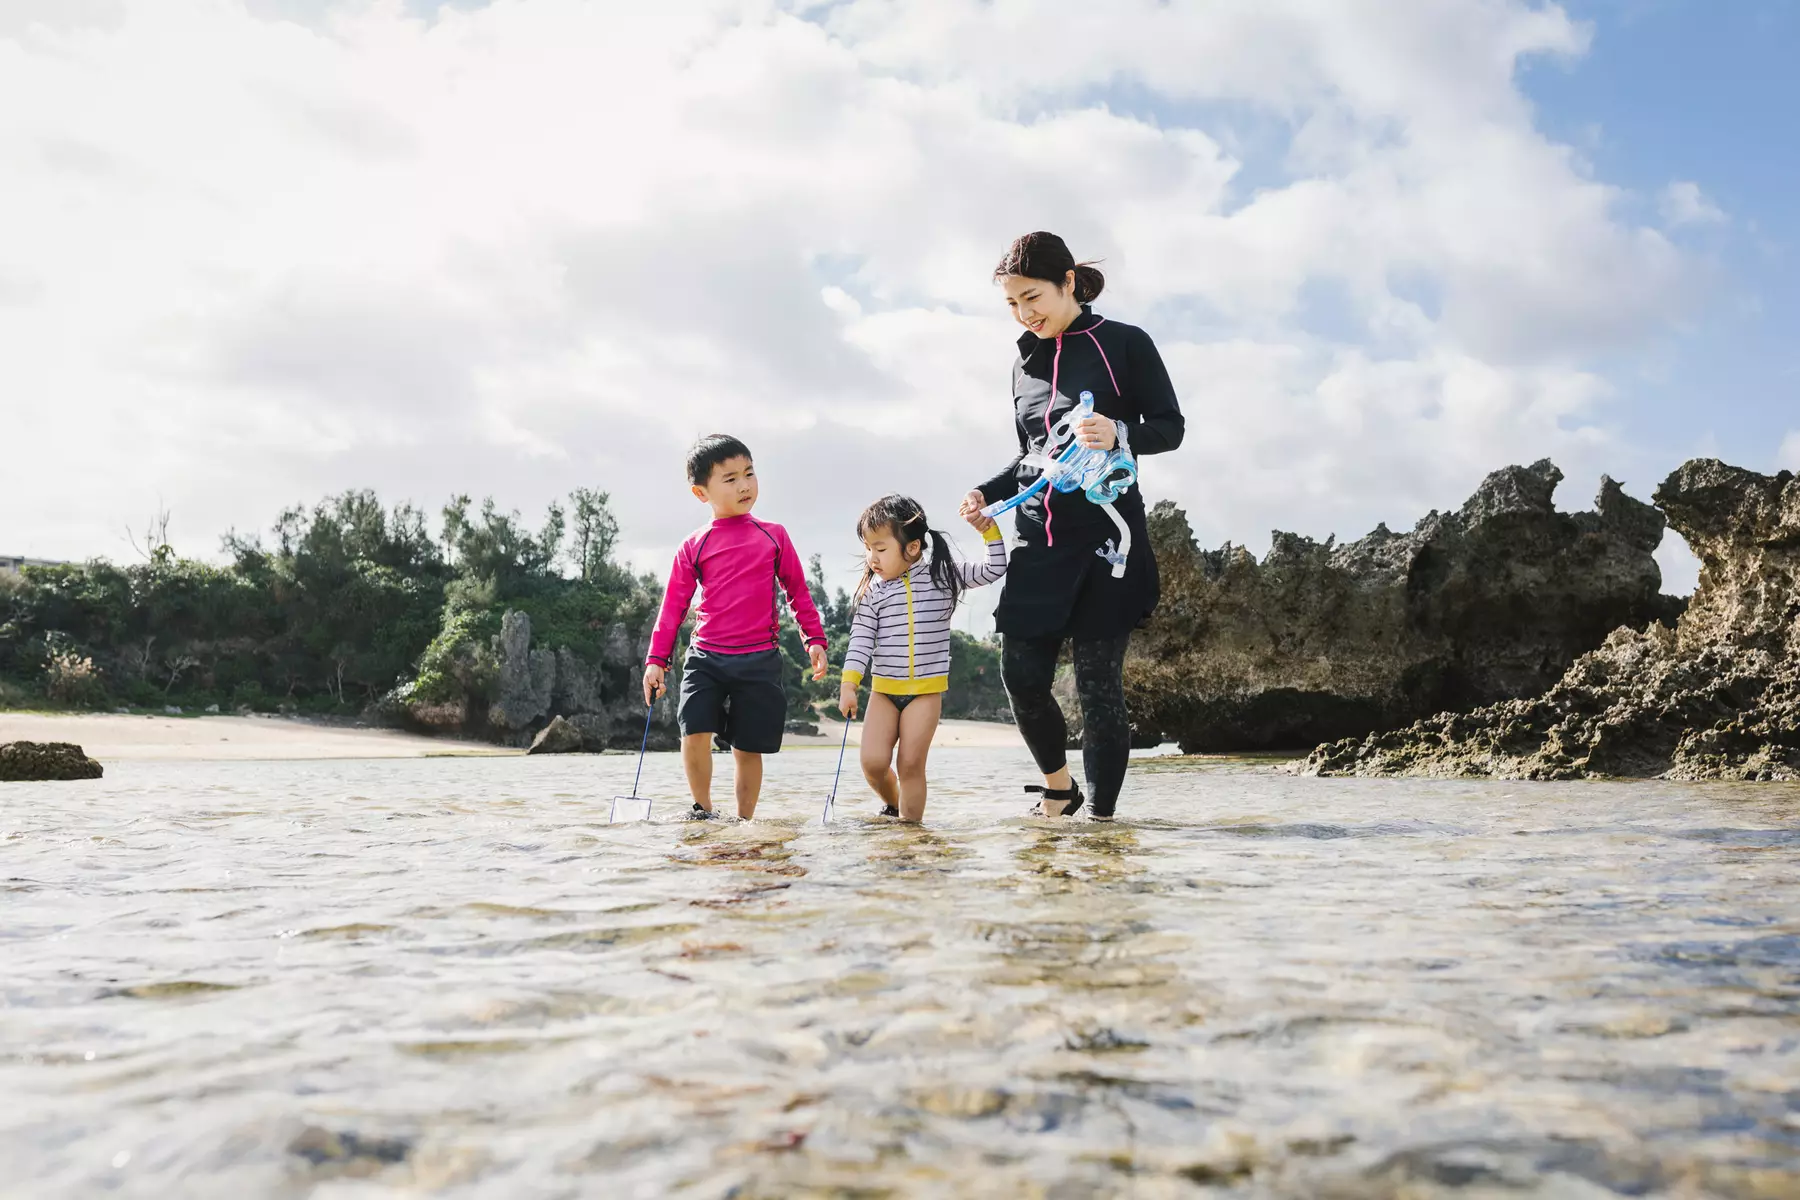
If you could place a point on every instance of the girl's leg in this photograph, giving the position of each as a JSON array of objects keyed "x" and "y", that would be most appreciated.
[
  {"x": 1028, "y": 668},
  {"x": 696, "y": 760},
  {"x": 881, "y": 729},
  {"x": 749, "y": 781},
  {"x": 917, "y": 725},
  {"x": 1105, "y": 726}
]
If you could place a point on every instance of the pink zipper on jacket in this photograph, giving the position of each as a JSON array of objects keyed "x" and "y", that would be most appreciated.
[{"x": 1055, "y": 367}]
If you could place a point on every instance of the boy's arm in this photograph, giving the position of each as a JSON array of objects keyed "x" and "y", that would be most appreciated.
[
  {"x": 676, "y": 598},
  {"x": 977, "y": 574},
  {"x": 861, "y": 653},
  {"x": 793, "y": 582}
]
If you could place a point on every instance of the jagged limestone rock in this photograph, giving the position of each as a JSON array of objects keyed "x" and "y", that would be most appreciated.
[
  {"x": 1322, "y": 641},
  {"x": 1716, "y": 697},
  {"x": 527, "y": 684},
  {"x": 28, "y": 762},
  {"x": 558, "y": 737}
]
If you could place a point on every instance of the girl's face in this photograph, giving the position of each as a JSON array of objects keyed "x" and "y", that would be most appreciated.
[
  {"x": 887, "y": 556},
  {"x": 1039, "y": 306}
]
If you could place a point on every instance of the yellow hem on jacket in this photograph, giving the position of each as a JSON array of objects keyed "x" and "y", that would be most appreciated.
[
  {"x": 991, "y": 533},
  {"x": 911, "y": 687}
]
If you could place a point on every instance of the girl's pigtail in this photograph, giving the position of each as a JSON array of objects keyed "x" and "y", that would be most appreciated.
[{"x": 943, "y": 567}]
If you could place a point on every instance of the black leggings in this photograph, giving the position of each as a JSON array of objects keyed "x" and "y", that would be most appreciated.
[{"x": 1028, "y": 668}]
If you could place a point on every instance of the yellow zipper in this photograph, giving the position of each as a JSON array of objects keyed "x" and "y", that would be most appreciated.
[{"x": 912, "y": 671}]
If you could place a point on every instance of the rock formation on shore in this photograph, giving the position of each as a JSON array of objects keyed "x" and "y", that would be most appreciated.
[
  {"x": 1325, "y": 641},
  {"x": 1716, "y": 697},
  {"x": 512, "y": 692},
  {"x": 26, "y": 762}
]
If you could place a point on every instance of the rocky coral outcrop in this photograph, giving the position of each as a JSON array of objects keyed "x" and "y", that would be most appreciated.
[
  {"x": 26, "y": 762},
  {"x": 600, "y": 704},
  {"x": 1716, "y": 697},
  {"x": 1321, "y": 641},
  {"x": 506, "y": 689},
  {"x": 560, "y": 736}
]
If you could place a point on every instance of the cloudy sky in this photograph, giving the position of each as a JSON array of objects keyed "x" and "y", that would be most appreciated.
[{"x": 256, "y": 251}]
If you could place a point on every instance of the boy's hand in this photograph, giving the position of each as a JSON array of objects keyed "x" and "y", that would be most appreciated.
[
  {"x": 654, "y": 685},
  {"x": 981, "y": 523},
  {"x": 817, "y": 654},
  {"x": 847, "y": 700}
]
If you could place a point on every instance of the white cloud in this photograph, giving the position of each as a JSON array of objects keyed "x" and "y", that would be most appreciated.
[
  {"x": 1788, "y": 458},
  {"x": 528, "y": 246},
  {"x": 1683, "y": 203},
  {"x": 1680, "y": 568}
]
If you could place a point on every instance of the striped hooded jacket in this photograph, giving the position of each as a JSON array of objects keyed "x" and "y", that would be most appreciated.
[{"x": 902, "y": 626}]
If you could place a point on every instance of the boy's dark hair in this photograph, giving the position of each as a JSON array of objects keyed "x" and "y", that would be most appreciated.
[
  {"x": 709, "y": 452},
  {"x": 1043, "y": 255}
]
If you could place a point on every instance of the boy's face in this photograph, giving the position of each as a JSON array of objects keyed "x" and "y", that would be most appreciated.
[{"x": 732, "y": 489}]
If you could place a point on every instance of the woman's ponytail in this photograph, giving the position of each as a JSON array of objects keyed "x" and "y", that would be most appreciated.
[{"x": 1089, "y": 282}]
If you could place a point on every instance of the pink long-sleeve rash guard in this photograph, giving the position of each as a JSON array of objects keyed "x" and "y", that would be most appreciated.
[{"x": 741, "y": 565}]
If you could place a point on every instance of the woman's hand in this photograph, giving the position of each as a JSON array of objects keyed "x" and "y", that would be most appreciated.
[
  {"x": 972, "y": 505},
  {"x": 817, "y": 655},
  {"x": 654, "y": 684},
  {"x": 1096, "y": 432},
  {"x": 847, "y": 700}
]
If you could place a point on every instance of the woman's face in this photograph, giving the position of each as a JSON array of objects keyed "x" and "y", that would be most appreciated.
[{"x": 1041, "y": 306}]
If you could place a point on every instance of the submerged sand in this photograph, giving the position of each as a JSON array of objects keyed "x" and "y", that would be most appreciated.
[{"x": 117, "y": 737}]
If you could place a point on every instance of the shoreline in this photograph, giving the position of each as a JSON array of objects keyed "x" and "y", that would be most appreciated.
[
  {"x": 150, "y": 737},
  {"x": 117, "y": 737}
]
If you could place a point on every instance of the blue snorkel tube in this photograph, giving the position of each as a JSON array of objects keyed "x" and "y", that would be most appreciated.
[{"x": 1102, "y": 475}]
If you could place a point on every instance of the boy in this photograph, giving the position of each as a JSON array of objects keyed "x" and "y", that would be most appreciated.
[{"x": 731, "y": 682}]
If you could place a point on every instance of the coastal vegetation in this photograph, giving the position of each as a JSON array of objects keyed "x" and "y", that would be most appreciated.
[{"x": 352, "y": 607}]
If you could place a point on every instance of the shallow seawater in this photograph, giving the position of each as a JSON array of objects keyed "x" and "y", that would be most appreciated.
[{"x": 450, "y": 976}]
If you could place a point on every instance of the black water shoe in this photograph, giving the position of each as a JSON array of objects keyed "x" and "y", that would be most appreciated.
[
  {"x": 697, "y": 813},
  {"x": 888, "y": 810},
  {"x": 1056, "y": 803}
]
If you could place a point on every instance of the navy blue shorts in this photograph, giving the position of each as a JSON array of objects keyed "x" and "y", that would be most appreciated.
[{"x": 739, "y": 697}]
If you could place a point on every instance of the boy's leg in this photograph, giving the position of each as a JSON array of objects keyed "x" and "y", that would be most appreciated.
[
  {"x": 917, "y": 725},
  {"x": 696, "y": 760},
  {"x": 701, "y": 714},
  {"x": 754, "y": 718},
  {"x": 881, "y": 729},
  {"x": 749, "y": 781}
]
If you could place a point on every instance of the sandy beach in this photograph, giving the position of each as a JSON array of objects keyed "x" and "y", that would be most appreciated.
[{"x": 117, "y": 737}]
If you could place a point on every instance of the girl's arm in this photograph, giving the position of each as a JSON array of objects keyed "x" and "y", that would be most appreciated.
[
  {"x": 861, "y": 653},
  {"x": 1160, "y": 425},
  {"x": 977, "y": 574}
]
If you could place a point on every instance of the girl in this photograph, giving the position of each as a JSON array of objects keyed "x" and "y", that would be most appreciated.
[
  {"x": 901, "y": 632},
  {"x": 1062, "y": 586}
]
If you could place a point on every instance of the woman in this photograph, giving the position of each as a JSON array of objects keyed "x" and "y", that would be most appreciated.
[{"x": 1060, "y": 586}]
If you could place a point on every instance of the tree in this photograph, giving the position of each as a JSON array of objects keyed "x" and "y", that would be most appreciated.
[
  {"x": 595, "y": 531},
  {"x": 495, "y": 545}
]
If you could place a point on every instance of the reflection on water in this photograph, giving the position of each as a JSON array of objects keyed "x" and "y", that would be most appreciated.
[{"x": 287, "y": 979}]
